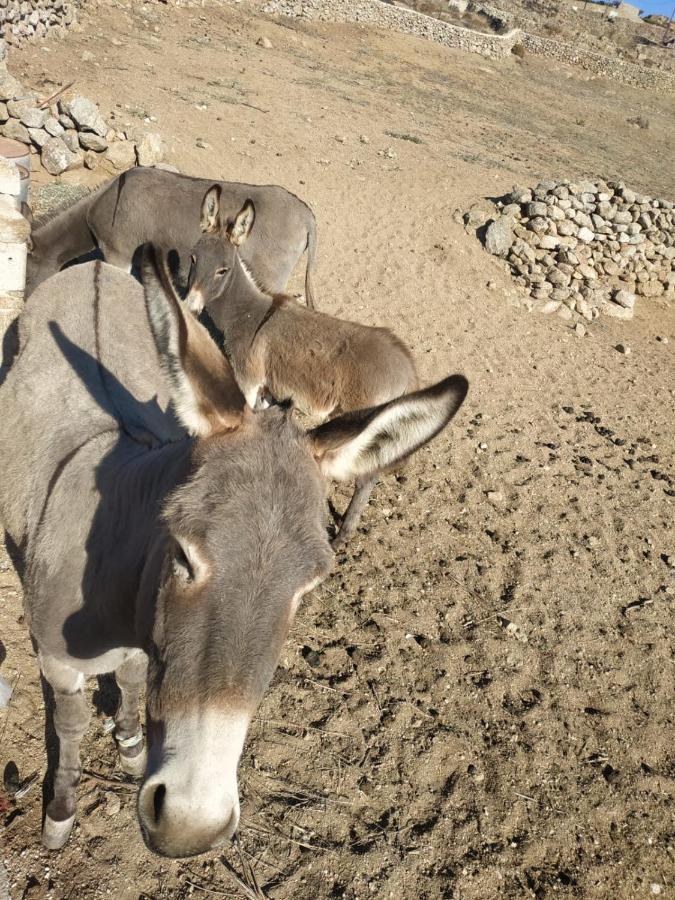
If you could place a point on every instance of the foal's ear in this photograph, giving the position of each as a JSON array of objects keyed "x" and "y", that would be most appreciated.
[
  {"x": 210, "y": 215},
  {"x": 372, "y": 440},
  {"x": 203, "y": 389},
  {"x": 240, "y": 229}
]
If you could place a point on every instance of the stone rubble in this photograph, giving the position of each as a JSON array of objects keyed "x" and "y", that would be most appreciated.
[
  {"x": 70, "y": 132},
  {"x": 592, "y": 247},
  {"x": 21, "y": 20}
]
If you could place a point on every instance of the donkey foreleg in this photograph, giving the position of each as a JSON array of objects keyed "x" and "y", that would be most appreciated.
[
  {"x": 130, "y": 677},
  {"x": 71, "y": 718},
  {"x": 350, "y": 520}
]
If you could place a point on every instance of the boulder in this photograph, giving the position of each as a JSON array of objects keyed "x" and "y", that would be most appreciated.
[
  {"x": 32, "y": 117},
  {"x": 85, "y": 114},
  {"x": 56, "y": 157},
  {"x": 122, "y": 154},
  {"x": 53, "y": 127},
  {"x": 38, "y": 136},
  {"x": 10, "y": 88},
  {"x": 539, "y": 225},
  {"x": 477, "y": 215},
  {"x": 499, "y": 237},
  {"x": 90, "y": 141},
  {"x": 150, "y": 149},
  {"x": 535, "y": 208},
  {"x": 71, "y": 140},
  {"x": 16, "y": 131}
]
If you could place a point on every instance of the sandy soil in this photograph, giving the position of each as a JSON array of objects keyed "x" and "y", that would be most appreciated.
[{"x": 478, "y": 703}]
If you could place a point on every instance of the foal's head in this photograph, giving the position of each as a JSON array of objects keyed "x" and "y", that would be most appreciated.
[{"x": 213, "y": 256}]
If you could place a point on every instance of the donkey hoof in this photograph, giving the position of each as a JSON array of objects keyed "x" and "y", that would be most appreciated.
[
  {"x": 56, "y": 833},
  {"x": 134, "y": 765}
]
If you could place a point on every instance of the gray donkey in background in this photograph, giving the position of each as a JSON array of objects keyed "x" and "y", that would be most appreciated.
[
  {"x": 164, "y": 525},
  {"x": 153, "y": 205},
  {"x": 278, "y": 349}
]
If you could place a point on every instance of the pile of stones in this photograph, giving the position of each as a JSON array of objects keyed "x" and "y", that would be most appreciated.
[
  {"x": 70, "y": 133},
  {"x": 21, "y": 20},
  {"x": 585, "y": 248}
]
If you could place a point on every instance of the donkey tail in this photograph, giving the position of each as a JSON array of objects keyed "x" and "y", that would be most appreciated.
[{"x": 311, "y": 258}]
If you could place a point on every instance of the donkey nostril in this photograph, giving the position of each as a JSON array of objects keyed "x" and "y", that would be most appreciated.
[{"x": 158, "y": 802}]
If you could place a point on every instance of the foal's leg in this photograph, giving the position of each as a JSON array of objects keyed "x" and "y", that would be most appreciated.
[
  {"x": 71, "y": 718},
  {"x": 130, "y": 677},
  {"x": 362, "y": 491}
]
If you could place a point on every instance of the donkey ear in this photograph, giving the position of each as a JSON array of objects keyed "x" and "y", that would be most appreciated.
[
  {"x": 240, "y": 229},
  {"x": 203, "y": 390},
  {"x": 373, "y": 440},
  {"x": 210, "y": 215}
]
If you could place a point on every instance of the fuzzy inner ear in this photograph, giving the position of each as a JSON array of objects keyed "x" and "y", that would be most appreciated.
[
  {"x": 203, "y": 389},
  {"x": 373, "y": 440},
  {"x": 210, "y": 214},
  {"x": 240, "y": 229}
]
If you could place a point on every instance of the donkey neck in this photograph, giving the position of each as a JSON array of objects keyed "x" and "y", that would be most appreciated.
[{"x": 241, "y": 308}]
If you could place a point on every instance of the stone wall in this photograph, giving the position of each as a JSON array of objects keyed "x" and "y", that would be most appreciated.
[
  {"x": 408, "y": 21},
  {"x": 69, "y": 132},
  {"x": 627, "y": 73},
  {"x": 586, "y": 248},
  {"x": 398, "y": 18},
  {"x": 21, "y": 20}
]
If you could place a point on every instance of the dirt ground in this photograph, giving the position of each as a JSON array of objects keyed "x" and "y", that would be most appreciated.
[{"x": 479, "y": 702}]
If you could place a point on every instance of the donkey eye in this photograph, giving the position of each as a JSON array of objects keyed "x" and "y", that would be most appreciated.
[
  {"x": 223, "y": 271},
  {"x": 181, "y": 565}
]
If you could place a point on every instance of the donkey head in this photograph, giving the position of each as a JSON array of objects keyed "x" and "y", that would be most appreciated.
[
  {"x": 244, "y": 538},
  {"x": 213, "y": 256}
]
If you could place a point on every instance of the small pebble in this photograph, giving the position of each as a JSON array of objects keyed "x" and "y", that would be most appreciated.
[
  {"x": 113, "y": 804},
  {"x": 264, "y": 42},
  {"x": 655, "y": 888},
  {"x": 623, "y": 348},
  {"x": 662, "y": 340},
  {"x": 364, "y": 139},
  {"x": 495, "y": 496},
  {"x": 202, "y": 145}
]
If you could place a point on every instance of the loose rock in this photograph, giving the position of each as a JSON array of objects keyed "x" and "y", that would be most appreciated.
[
  {"x": 56, "y": 157},
  {"x": 150, "y": 149},
  {"x": 122, "y": 155},
  {"x": 499, "y": 237},
  {"x": 85, "y": 114},
  {"x": 90, "y": 141}
]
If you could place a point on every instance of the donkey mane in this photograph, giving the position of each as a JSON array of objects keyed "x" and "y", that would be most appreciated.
[{"x": 258, "y": 284}]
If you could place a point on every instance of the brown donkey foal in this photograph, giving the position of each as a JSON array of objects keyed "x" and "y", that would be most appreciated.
[
  {"x": 323, "y": 365},
  {"x": 163, "y": 525}
]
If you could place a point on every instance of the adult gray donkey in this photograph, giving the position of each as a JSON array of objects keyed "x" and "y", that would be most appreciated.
[
  {"x": 158, "y": 518},
  {"x": 146, "y": 204}
]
